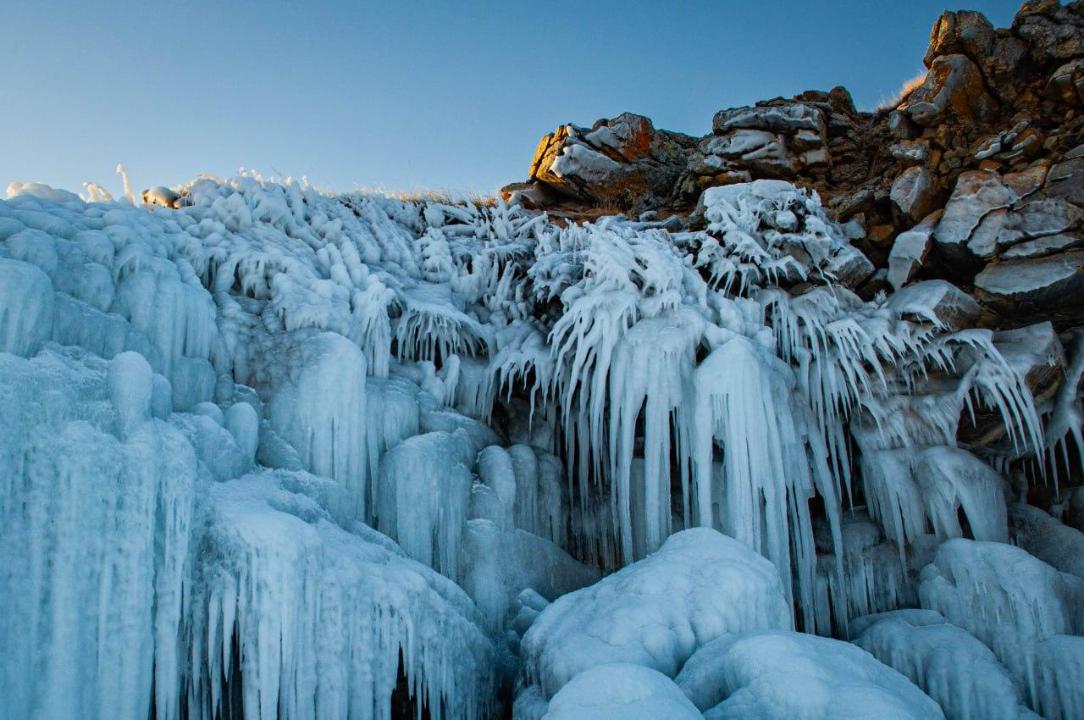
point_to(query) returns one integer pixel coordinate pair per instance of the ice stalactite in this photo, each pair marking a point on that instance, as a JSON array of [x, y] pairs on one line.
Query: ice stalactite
[[320, 410], [650, 368], [96, 511], [772, 463], [311, 619], [424, 497], [947, 662], [1019, 607]]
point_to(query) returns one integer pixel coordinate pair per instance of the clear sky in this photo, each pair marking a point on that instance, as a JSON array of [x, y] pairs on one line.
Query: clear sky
[[403, 94]]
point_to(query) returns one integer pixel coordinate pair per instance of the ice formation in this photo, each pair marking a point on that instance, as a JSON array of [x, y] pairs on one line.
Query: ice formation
[[281, 453], [781, 675], [948, 663], [656, 612]]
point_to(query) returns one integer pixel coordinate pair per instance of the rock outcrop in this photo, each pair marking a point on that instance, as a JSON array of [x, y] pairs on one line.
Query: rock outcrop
[[974, 175]]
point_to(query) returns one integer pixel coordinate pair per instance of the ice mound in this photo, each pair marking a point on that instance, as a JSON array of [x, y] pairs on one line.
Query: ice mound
[[658, 611], [780, 675]]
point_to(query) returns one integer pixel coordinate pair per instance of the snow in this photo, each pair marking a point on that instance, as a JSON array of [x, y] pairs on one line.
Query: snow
[[656, 612], [780, 675], [620, 691]]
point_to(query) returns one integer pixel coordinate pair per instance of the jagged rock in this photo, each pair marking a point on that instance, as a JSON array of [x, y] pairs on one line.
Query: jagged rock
[[953, 89], [1050, 287], [763, 152], [910, 250], [976, 195], [1067, 83], [790, 117], [1022, 141], [778, 139], [938, 302], [1053, 32], [967, 32], [915, 192], [622, 161]]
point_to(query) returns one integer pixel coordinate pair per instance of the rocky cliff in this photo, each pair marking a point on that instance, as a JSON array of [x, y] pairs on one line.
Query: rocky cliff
[[974, 175]]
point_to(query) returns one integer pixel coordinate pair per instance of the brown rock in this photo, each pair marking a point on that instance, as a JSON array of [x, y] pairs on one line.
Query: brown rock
[[936, 301], [910, 250], [953, 90], [966, 32], [622, 161], [1067, 83]]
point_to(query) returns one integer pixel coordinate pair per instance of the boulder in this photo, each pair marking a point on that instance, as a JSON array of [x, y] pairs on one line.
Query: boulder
[[1066, 180], [1047, 287], [778, 139], [976, 195], [915, 192], [1067, 83], [622, 162], [966, 32], [910, 251], [952, 91]]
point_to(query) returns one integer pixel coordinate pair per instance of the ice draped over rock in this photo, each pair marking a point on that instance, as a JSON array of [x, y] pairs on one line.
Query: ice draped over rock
[[293, 444]]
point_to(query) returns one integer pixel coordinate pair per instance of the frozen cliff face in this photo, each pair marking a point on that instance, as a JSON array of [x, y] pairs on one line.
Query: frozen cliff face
[[302, 449]]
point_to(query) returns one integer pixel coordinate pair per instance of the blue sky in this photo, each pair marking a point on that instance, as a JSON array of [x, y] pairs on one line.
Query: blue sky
[[404, 95]]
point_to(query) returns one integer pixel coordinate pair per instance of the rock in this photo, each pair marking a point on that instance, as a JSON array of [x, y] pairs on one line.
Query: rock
[[778, 139], [915, 192], [787, 117], [850, 267], [1051, 31], [910, 251], [1066, 180], [1046, 216], [938, 302], [1067, 83], [1048, 287], [953, 90], [1039, 247], [622, 161], [977, 193], [967, 32], [983, 242], [910, 151]]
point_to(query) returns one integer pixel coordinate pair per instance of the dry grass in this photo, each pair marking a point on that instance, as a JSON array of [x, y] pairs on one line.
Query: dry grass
[[908, 87], [444, 196]]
